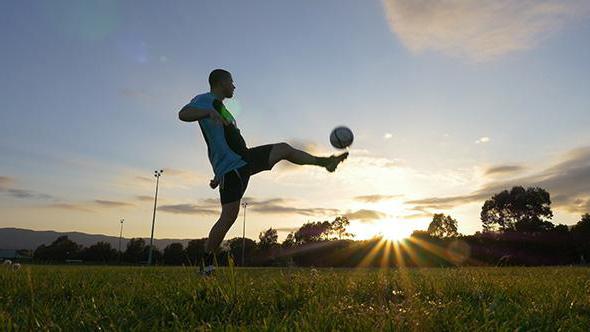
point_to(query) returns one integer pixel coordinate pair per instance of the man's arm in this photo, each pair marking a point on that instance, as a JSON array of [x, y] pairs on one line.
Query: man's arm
[[191, 114]]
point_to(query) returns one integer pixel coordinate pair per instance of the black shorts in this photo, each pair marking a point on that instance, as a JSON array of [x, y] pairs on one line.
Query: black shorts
[[235, 182]]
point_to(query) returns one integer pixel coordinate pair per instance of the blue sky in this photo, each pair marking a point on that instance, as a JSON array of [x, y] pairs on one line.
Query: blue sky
[[436, 94]]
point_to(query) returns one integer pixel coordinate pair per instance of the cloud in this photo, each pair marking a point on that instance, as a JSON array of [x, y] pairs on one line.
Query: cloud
[[144, 198], [282, 209], [365, 215], [263, 206], [187, 209], [69, 206], [376, 198], [424, 215], [482, 140], [567, 180], [106, 203], [7, 189], [144, 179], [287, 229], [387, 136], [5, 182], [284, 206], [503, 169], [479, 30], [443, 203]]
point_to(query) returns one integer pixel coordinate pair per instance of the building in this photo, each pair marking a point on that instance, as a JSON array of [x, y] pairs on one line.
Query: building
[[12, 255]]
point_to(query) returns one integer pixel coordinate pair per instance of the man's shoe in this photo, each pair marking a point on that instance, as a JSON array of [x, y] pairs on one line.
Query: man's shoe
[[207, 270]]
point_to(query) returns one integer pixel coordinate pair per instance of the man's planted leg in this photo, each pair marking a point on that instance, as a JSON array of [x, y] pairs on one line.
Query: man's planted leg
[[229, 214]]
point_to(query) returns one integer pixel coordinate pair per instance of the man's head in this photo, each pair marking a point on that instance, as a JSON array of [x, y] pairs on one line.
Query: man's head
[[222, 83]]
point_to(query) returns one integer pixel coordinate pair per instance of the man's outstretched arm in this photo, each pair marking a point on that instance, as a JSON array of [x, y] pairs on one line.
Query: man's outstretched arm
[[191, 114]]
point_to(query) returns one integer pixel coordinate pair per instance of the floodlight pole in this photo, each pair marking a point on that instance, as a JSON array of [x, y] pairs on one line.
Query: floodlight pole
[[157, 174], [245, 205], [120, 236]]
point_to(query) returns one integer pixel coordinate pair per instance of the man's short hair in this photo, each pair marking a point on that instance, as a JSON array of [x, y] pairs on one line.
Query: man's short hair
[[217, 76]]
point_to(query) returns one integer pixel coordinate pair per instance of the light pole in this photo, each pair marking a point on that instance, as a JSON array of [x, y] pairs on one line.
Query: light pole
[[157, 174], [120, 236], [245, 205]]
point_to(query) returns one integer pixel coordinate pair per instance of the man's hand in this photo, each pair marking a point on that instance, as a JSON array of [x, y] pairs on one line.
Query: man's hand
[[217, 118], [213, 183]]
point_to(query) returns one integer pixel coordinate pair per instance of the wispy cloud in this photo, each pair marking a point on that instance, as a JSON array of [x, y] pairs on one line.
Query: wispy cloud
[[5, 182], [376, 198], [479, 30], [144, 198], [7, 189], [504, 170], [70, 207], [287, 229], [365, 215], [188, 209], [567, 180], [424, 215], [273, 208], [107, 203]]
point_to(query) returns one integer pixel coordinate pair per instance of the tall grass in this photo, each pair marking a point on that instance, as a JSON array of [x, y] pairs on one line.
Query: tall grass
[[172, 298]]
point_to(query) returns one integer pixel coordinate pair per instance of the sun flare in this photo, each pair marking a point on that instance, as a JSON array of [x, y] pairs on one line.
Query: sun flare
[[392, 230]]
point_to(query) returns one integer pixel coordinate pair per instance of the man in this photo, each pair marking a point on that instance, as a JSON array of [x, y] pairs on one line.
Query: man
[[232, 161]]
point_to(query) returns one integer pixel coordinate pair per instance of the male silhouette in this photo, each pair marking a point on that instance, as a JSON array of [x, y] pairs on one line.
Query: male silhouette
[[232, 161]]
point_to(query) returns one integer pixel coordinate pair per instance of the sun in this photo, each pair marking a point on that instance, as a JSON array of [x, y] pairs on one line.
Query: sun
[[388, 229], [393, 230]]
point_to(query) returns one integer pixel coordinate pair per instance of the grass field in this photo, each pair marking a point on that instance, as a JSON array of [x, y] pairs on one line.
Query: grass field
[[175, 298]]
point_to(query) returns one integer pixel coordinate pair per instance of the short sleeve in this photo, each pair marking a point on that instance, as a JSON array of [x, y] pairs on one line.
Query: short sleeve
[[202, 101]]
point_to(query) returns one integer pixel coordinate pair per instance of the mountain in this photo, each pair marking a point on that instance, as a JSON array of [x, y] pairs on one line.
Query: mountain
[[18, 238]]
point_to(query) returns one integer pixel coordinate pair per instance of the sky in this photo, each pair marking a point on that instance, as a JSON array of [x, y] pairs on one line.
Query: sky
[[449, 101]]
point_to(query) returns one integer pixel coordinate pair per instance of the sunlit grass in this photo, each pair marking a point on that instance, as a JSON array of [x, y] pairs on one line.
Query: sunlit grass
[[141, 298]]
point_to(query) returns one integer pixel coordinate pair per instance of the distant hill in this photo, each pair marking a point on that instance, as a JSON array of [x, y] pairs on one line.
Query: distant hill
[[18, 238]]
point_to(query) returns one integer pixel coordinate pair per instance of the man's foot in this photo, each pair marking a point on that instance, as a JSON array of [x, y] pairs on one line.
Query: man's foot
[[206, 271], [333, 161]]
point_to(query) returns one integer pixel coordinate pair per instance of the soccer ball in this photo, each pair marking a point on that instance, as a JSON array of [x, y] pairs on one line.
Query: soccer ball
[[341, 137]]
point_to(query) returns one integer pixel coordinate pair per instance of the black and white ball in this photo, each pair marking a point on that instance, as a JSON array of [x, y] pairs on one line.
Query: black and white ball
[[341, 137]]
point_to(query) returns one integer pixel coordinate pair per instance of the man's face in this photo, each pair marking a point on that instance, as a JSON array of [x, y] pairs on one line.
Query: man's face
[[228, 87]]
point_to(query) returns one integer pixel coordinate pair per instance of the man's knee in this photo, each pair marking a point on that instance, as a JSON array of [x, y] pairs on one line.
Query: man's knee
[[229, 211], [284, 148]]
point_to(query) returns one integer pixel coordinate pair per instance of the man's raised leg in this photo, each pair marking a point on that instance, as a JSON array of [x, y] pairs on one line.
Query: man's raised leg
[[283, 151]]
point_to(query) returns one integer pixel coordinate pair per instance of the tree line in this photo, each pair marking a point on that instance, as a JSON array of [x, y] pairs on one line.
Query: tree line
[[516, 223]]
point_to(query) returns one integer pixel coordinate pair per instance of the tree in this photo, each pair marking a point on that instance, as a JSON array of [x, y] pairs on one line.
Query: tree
[[195, 250], [268, 239], [59, 250], [442, 226], [561, 228], [338, 227], [135, 249], [156, 255], [235, 246], [99, 252], [174, 254], [583, 226], [289, 241], [518, 210], [313, 232]]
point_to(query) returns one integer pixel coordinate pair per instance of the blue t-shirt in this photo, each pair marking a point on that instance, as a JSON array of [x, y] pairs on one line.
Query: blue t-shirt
[[223, 159]]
